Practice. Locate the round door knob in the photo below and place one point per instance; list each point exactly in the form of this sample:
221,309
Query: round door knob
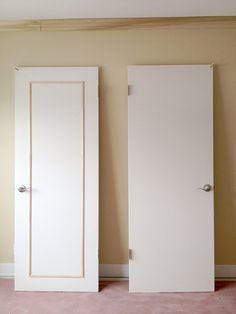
22,189
206,187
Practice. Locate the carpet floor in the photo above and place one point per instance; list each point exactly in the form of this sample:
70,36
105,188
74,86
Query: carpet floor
114,298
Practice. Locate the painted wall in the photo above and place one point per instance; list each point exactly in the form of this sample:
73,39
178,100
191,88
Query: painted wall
112,51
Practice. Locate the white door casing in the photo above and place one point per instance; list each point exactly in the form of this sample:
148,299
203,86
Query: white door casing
56,147
171,220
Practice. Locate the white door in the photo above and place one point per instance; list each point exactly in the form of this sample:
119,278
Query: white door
170,161
56,178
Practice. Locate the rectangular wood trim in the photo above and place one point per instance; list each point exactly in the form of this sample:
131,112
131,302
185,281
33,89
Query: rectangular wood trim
116,23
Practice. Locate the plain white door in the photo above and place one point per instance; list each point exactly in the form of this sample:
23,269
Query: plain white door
170,160
56,178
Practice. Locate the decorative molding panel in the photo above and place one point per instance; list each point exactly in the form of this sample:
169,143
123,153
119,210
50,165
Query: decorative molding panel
122,271
82,171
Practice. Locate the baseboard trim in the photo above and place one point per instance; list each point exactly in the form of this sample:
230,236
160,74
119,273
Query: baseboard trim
114,270
121,271
6,270
225,271
113,278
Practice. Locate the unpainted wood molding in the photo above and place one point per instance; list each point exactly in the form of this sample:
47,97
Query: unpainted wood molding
116,23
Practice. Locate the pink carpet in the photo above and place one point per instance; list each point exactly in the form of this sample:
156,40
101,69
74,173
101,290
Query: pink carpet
114,298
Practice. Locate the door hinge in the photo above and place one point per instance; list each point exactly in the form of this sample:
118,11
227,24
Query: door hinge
130,254
129,90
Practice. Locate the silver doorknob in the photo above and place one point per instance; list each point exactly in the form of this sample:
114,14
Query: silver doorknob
22,189
206,187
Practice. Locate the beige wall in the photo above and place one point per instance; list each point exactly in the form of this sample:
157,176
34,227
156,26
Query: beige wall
112,51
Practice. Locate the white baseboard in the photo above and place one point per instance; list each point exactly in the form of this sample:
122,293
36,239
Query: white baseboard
225,271
114,270
122,271
6,270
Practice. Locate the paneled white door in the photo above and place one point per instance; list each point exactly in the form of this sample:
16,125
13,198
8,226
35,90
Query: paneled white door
171,214
56,178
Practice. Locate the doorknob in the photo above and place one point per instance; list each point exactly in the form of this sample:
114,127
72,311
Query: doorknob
206,187
22,188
